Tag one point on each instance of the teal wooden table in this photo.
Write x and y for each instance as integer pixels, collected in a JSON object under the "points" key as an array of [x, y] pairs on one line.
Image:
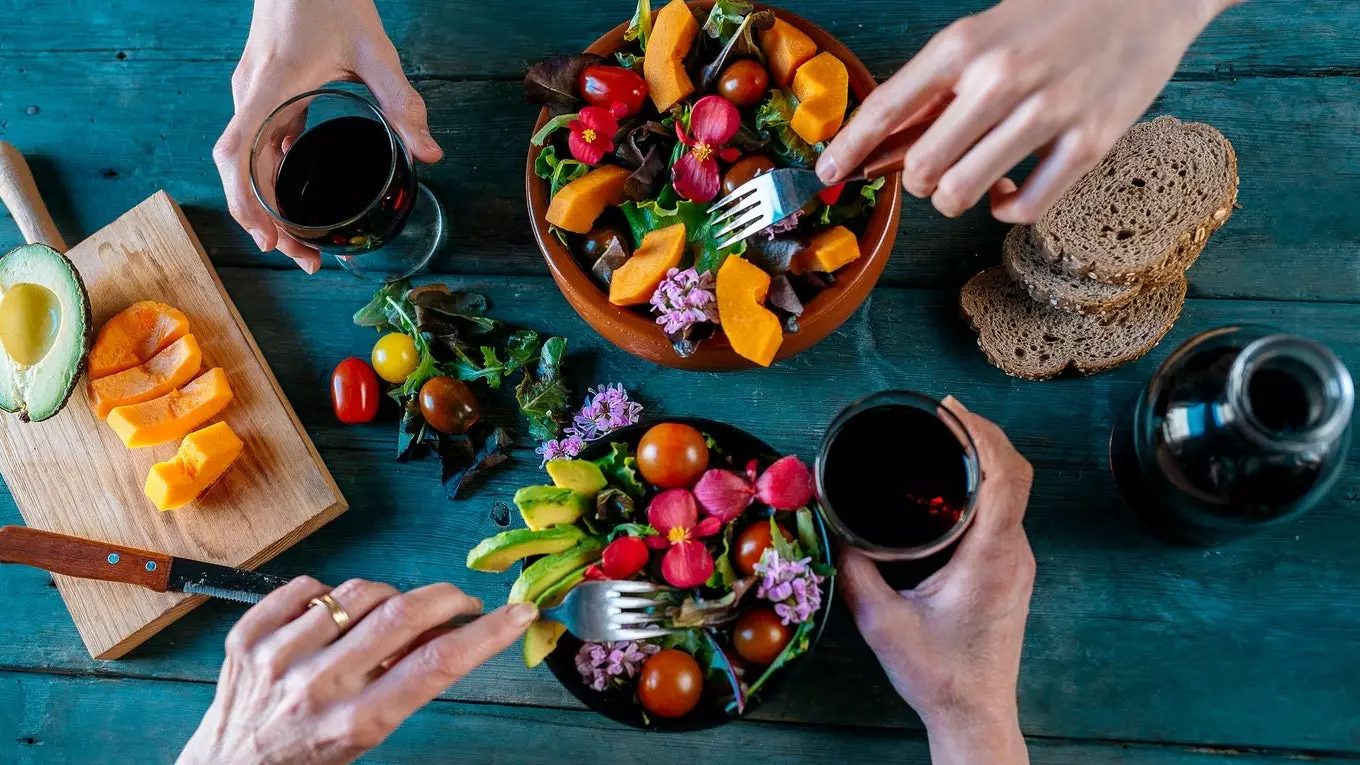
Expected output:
{"points": [[1135, 653]]}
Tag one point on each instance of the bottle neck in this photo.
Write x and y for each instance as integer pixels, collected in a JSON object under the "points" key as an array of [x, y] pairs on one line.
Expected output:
{"points": [[1288, 394]]}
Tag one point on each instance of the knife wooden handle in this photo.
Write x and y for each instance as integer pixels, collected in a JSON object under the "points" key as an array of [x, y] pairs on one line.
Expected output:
{"points": [[84, 558], [20, 194]]}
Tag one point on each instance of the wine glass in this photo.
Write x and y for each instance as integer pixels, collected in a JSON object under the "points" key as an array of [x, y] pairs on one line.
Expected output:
{"points": [[331, 171]]}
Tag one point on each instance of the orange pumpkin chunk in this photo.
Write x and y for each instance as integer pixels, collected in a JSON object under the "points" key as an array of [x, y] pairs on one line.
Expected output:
{"points": [[580, 202], [787, 48], [827, 251], [822, 87], [753, 330], [174, 415], [164, 372], [635, 281], [132, 337], [203, 458], [664, 67]]}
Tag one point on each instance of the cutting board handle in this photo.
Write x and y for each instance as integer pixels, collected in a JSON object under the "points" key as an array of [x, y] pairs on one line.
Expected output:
{"points": [[20, 194], [83, 558]]}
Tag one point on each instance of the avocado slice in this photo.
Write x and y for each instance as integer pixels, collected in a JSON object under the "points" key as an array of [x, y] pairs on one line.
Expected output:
{"points": [[45, 331], [542, 636], [578, 475], [544, 506], [497, 553], [551, 569]]}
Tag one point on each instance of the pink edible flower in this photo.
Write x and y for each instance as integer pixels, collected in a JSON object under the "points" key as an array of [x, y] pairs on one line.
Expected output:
{"points": [[785, 485], [606, 409], [712, 123], [724, 494], [561, 448], [592, 134], [793, 587], [685, 298], [599, 663], [675, 515]]}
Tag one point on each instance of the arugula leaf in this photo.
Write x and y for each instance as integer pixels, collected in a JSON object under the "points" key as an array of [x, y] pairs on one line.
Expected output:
{"points": [[519, 350], [378, 313], [685, 640], [640, 28], [775, 115], [724, 575], [620, 470], [807, 533], [542, 395], [412, 434], [784, 548], [468, 456], [725, 18], [851, 206]]}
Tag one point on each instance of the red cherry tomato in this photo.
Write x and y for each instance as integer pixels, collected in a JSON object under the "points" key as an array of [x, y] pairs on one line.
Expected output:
{"points": [[448, 405], [354, 391], [753, 543], [624, 557], [609, 85], [760, 636], [671, 455], [744, 82], [670, 684]]}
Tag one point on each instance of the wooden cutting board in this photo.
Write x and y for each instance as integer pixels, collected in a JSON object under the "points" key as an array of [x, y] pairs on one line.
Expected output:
{"points": [[71, 474]]}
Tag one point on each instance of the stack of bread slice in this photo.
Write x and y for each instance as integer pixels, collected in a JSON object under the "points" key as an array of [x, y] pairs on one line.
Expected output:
{"points": [[1100, 279]]}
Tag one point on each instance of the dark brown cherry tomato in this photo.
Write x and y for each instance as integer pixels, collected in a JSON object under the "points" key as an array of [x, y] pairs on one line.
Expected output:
{"points": [[598, 240], [671, 455], [744, 83], [608, 85], [760, 636], [744, 170], [354, 391], [448, 405], [670, 683], [753, 543]]}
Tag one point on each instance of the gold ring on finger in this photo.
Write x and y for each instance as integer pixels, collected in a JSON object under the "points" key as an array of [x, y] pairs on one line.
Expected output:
{"points": [[338, 614]]}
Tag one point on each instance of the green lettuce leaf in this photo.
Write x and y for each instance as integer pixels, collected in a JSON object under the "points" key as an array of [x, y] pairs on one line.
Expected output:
{"points": [[774, 115], [725, 19], [620, 470], [542, 395], [629, 61], [640, 28], [851, 206]]}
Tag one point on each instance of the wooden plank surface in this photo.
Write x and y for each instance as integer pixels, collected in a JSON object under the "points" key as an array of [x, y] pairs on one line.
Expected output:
{"points": [[36, 731], [1128, 640], [71, 474], [144, 124]]}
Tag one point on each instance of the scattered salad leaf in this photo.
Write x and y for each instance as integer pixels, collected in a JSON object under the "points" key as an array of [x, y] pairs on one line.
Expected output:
{"points": [[542, 395], [553, 82], [412, 433], [774, 115], [378, 313], [436, 303], [467, 456], [519, 351], [620, 470], [720, 663], [640, 28], [740, 44]]}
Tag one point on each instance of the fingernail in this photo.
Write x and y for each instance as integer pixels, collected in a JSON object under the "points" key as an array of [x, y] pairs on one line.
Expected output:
{"points": [[827, 170], [522, 614], [258, 236], [952, 402], [311, 266], [428, 141]]}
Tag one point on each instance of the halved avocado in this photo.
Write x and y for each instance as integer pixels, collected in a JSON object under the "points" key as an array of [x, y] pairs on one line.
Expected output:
{"points": [[542, 636], [499, 552], [580, 476], [45, 331], [544, 506], [547, 571]]}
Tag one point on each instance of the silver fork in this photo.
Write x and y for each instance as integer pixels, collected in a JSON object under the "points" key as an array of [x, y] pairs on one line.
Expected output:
{"points": [[771, 197], [605, 612]]}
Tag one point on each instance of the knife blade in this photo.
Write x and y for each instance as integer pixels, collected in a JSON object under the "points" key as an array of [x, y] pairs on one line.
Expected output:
{"points": [[89, 559]]}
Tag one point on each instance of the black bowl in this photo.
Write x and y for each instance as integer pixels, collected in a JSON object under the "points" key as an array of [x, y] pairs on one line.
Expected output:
{"points": [[741, 447]]}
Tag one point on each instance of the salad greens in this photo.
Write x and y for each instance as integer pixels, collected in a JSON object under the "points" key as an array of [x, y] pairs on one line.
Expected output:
{"points": [[775, 115], [542, 395]]}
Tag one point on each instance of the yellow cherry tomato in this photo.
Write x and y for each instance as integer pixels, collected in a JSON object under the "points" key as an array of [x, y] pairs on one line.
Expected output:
{"points": [[395, 357]]}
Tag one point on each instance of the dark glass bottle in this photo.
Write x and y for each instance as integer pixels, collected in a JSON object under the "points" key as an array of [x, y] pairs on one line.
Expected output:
{"points": [[1240, 428]]}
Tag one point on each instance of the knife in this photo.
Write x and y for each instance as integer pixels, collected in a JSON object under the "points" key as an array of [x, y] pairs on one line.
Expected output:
{"points": [[88, 559]]}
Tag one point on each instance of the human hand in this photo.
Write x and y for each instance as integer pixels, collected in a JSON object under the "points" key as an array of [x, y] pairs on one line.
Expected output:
{"points": [[951, 647], [296, 46], [1059, 78], [295, 690]]}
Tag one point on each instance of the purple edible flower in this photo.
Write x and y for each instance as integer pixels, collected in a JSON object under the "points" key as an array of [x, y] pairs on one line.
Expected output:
{"points": [[561, 448], [599, 663], [792, 586], [607, 409], [782, 227], [684, 298]]}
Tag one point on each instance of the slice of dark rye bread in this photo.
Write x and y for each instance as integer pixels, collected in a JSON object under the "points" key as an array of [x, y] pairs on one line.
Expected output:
{"points": [[1143, 214], [1036, 341], [1049, 283]]}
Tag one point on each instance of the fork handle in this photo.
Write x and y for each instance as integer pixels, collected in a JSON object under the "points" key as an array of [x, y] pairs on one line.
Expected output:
{"points": [[890, 154]]}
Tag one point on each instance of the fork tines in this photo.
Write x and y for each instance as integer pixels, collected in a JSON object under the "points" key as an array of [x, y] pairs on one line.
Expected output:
{"points": [[745, 211]]}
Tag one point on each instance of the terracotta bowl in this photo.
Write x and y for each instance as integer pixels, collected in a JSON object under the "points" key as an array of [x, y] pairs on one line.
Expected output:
{"points": [[638, 334]]}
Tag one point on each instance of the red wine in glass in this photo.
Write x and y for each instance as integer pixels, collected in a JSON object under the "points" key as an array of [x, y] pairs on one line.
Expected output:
{"points": [[896, 476], [345, 186]]}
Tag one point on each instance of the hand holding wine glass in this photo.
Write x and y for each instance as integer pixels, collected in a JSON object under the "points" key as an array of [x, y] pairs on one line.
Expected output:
{"points": [[951, 646], [297, 46]]}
